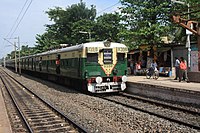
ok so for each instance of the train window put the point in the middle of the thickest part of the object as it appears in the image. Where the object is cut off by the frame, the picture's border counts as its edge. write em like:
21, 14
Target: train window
120, 56
66, 64
92, 57
73, 62
28, 62
76, 62
32, 63
107, 56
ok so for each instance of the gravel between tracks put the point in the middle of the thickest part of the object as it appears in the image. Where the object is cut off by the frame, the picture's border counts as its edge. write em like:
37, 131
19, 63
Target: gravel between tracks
98, 115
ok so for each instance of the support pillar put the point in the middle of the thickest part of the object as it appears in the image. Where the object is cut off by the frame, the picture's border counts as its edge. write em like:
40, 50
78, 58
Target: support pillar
198, 43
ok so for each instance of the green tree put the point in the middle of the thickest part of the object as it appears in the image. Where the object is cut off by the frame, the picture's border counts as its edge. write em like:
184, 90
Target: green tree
26, 50
45, 42
80, 26
108, 26
146, 20
182, 10
61, 31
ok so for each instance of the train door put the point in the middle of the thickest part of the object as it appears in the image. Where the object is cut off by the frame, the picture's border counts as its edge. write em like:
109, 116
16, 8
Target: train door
79, 66
58, 64
34, 63
47, 62
31, 63
28, 63
25, 64
40, 64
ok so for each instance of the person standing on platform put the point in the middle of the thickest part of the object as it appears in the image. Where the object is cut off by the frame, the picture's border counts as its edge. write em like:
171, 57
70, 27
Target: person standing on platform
137, 68
177, 64
132, 66
154, 65
183, 70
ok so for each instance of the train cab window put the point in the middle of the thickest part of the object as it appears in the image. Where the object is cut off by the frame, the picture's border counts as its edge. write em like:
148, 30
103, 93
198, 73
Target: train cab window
120, 56
92, 57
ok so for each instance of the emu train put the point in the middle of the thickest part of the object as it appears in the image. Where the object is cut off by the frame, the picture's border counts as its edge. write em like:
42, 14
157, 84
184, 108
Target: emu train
96, 67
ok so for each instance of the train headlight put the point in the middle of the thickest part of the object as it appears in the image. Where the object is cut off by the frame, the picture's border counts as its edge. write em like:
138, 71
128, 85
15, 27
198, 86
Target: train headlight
99, 80
124, 78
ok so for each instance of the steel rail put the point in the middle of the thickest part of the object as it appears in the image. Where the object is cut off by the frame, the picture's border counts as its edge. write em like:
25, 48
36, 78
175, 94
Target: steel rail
16, 105
158, 103
79, 127
152, 113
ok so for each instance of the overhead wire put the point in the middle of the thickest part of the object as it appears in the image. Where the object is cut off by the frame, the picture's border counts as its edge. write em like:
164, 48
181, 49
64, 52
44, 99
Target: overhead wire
28, 8
21, 18
108, 7
22, 9
17, 18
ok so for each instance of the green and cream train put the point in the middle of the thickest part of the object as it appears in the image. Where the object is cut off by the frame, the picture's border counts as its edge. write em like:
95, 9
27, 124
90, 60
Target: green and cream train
96, 67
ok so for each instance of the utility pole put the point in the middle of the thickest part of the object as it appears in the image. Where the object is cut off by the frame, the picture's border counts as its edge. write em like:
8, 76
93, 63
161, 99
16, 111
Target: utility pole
19, 56
4, 61
188, 39
15, 51
15, 57
89, 36
188, 33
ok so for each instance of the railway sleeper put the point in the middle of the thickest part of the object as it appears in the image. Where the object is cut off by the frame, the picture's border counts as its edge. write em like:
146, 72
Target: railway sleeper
54, 126
64, 129
36, 111
40, 115
38, 120
35, 108
37, 114
47, 122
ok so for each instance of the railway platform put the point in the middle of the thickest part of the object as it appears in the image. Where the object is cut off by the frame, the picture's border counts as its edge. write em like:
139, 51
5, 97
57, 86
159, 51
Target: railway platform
165, 88
5, 126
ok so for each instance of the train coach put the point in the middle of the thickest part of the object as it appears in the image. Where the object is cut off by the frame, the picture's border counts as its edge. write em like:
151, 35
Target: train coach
97, 67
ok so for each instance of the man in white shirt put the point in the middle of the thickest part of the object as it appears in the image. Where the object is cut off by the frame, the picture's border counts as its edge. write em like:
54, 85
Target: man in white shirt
177, 67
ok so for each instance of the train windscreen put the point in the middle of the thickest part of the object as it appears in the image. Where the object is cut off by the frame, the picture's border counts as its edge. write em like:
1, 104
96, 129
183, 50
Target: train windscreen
120, 56
92, 57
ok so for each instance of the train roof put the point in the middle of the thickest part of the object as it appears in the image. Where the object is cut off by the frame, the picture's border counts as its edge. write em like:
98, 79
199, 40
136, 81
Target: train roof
100, 44
82, 46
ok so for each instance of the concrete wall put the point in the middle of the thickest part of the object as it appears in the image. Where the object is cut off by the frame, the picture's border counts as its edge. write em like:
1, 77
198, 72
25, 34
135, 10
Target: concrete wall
165, 93
194, 76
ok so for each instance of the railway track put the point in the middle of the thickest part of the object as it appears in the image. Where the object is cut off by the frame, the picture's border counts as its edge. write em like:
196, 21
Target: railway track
37, 114
175, 114
14, 116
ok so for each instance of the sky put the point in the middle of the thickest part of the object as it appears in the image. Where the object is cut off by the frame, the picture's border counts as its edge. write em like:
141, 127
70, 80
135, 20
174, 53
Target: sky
35, 18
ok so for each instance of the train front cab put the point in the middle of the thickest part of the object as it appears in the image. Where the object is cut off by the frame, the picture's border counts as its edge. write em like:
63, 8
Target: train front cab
106, 68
